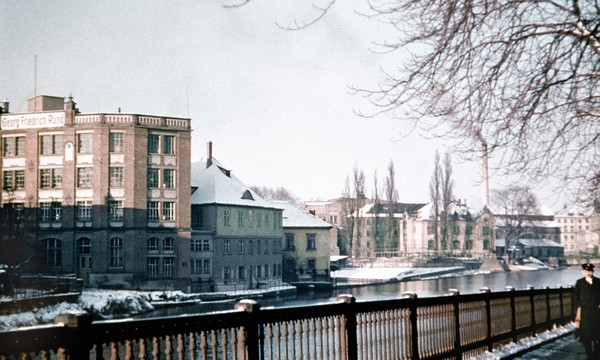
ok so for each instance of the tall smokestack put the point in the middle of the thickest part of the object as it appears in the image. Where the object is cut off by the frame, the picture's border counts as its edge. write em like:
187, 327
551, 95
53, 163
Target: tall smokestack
208, 154
485, 181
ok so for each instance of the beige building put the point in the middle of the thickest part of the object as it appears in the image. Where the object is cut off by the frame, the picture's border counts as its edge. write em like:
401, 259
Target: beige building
579, 229
106, 194
306, 240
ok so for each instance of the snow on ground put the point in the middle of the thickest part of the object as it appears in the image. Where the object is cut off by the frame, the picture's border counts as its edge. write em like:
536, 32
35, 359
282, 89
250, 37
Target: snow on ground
101, 304
527, 343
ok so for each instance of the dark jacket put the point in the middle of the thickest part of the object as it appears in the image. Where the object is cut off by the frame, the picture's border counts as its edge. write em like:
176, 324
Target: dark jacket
587, 297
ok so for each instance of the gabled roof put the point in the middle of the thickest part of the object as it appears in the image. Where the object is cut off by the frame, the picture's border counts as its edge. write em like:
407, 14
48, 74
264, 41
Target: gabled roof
398, 208
217, 185
295, 217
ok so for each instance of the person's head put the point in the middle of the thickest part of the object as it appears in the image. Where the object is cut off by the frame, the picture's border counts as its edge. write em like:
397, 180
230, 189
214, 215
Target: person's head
587, 269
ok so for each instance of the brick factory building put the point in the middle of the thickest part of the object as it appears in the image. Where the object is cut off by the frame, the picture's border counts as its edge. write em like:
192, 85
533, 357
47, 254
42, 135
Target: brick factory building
103, 196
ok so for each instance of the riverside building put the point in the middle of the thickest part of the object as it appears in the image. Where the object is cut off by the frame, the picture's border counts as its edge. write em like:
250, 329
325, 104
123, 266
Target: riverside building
104, 196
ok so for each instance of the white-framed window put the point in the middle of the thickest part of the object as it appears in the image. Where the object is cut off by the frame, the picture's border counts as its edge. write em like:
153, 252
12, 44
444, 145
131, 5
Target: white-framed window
169, 245
13, 146
115, 210
226, 246
153, 267
226, 273
153, 178
84, 210
227, 217
240, 246
84, 177
84, 143
196, 266
50, 144
153, 244
50, 211
153, 144
240, 218
50, 178
116, 176
168, 144
116, 142
115, 252
289, 241
152, 211
169, 178
13, 179
168, 210
168, 267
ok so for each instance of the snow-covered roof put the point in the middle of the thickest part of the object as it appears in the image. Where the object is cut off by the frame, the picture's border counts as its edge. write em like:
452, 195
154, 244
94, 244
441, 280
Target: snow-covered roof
531, 243
217, 185
295, 217
575, 211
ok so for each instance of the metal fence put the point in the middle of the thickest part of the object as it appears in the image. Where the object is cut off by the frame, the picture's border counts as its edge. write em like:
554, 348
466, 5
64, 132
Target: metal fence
446, 327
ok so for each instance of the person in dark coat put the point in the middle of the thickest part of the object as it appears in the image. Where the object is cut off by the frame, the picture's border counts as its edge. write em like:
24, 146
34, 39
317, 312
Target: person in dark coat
587, 304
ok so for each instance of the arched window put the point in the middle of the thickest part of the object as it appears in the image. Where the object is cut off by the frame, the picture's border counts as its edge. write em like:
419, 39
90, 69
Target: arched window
115, 252
52, 252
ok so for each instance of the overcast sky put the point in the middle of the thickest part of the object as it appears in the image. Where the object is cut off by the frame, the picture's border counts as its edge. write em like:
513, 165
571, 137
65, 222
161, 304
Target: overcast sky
275, 103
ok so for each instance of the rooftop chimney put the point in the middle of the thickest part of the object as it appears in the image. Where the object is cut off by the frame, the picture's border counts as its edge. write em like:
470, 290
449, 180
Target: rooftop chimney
208, 154
4, 106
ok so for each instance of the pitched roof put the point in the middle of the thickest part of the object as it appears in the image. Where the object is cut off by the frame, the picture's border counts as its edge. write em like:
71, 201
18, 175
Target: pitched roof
295, 217
217, 185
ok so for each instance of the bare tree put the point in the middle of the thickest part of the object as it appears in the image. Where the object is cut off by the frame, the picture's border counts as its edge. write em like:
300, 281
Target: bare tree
377, 224
447, 187
435, 193
522, 75
359, 202
514, 208
278, 193
391, 194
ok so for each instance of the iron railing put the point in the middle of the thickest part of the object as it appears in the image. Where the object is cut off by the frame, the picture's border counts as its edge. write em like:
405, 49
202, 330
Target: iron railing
446, 327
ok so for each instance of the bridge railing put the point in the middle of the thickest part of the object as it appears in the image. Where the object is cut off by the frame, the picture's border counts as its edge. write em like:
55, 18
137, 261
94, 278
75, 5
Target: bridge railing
446, 327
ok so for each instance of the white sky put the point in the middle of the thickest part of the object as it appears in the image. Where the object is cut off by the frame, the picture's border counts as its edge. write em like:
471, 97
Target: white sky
274, 103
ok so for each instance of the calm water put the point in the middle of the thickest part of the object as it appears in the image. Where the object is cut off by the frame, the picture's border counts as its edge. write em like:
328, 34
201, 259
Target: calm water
423, 288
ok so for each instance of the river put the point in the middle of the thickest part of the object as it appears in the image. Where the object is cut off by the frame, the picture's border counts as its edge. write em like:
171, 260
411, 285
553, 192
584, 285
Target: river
466, 284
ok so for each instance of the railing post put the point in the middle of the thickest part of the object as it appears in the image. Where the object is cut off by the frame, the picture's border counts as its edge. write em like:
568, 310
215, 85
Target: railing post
79, 322
414, 336
457, 343
513, 313
533, 322
549, 319
351, 328
251, 330
488, 315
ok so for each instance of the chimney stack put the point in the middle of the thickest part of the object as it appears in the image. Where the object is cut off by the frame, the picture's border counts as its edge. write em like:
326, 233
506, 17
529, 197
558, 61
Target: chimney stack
4, 106
208, 154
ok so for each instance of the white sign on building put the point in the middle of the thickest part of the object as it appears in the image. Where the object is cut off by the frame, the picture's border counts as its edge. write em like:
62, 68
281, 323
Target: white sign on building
32, 121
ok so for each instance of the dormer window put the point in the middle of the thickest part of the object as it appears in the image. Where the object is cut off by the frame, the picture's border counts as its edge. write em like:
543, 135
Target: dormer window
247, 195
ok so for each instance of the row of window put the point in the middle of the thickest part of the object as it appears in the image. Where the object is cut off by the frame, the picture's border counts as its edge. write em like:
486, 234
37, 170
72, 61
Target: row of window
257, 272
51, 178
290, 245
52, 210
53, 251
259, 219
247, 247
168, 267
52, 144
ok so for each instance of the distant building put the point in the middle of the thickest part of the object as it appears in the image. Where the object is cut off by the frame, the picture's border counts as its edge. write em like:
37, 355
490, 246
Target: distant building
236, 235
106, 194
547, 251
537, 225
305, 245
579, 229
